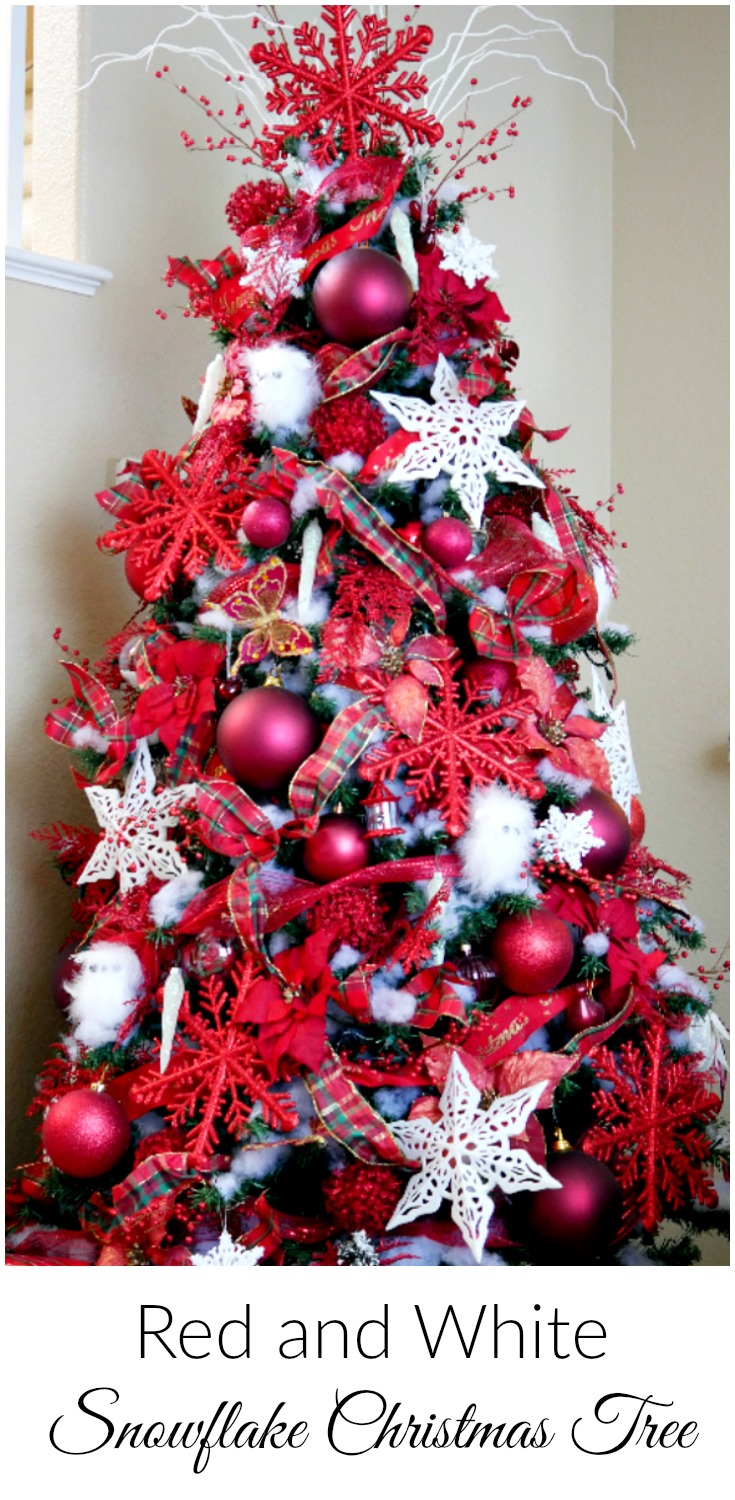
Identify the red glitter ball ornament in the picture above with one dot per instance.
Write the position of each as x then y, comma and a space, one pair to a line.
137, 570
264, 735
411, 532
85, 1133
447, 541
608, 822
577, 1221
361, 295
266, 522
338, 847
484, 677
363, 1197
533, 952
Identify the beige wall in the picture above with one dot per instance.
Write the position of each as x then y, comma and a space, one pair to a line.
618, 304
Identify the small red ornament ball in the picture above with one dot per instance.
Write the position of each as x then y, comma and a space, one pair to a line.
136, 570
266, 522
85, 1133
533, 952
486, 676
579, 1219
608, 822
447, 541
412, 532
338, 847
63, 970
361, 295
264, 735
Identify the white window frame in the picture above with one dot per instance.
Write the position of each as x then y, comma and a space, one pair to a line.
21, 264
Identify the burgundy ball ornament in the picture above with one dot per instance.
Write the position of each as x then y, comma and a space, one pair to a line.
64, 969
264, 735
578, 1220
360, 295
532, 952
226, 688
447, 542
338, 847
266, 522
609, 823
85, 1133
584, 1011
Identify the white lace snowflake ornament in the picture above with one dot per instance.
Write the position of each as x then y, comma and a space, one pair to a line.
134, 844
466, 255
459, 439
616, 746
466, 1154
227, 1253
566, 837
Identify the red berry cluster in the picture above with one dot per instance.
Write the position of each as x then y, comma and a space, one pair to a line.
255, 203
350, 423
363, 1197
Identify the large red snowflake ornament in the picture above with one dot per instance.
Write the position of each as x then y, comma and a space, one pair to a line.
651, 1126
215, 1076
354, 100
178, 513
464, 743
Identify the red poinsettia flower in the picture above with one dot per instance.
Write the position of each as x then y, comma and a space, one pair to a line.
398, 675
565, 736
180, 690
447, 311
290, 1012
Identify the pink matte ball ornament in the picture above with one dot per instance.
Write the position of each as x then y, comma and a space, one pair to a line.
533, 952
578, 1220
608, 822
360, 295
266, 522
86, 1133
338, 847
447, 541
264, 735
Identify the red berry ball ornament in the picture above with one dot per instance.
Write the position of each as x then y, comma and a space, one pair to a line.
609, 823
532, 952
266, 522
447, 542
578, 1220
361, 295
361, 1197
264, 735
86, 1133
338, 847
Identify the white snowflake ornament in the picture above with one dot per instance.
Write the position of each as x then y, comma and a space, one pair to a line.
466, 1154
227, 1253
466, 255
616, 746
134, 844
459, 439
566, 837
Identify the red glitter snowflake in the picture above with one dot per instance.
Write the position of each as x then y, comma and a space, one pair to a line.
178, 514
651, 1128
215, 1075
353, 101
465, 743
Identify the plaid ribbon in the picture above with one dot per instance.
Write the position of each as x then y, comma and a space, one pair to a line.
341, 502
186, 761
347, 1116
343, 743
354, 993
151, 1179
566, 526
248, 908
436, 997
547, 595
91, 701
363, 367
494, 636
231, 823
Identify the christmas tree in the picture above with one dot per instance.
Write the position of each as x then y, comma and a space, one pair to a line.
370, 963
